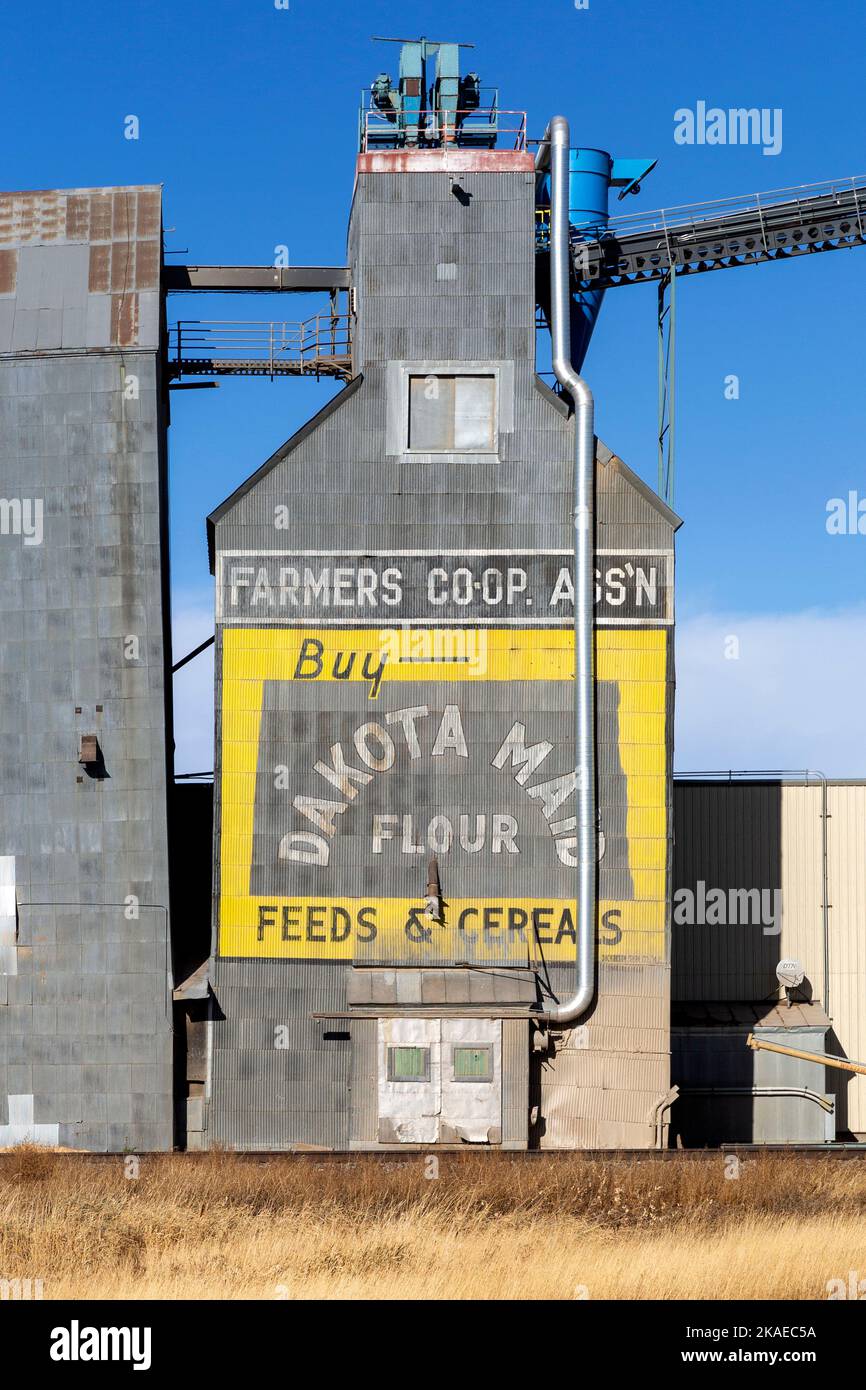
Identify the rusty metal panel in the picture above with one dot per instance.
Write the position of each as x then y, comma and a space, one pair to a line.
89, 749
119, 230
451, 161
124, 319
100, 268
8, 270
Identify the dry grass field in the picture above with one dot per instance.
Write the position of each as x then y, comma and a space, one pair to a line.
489, 1227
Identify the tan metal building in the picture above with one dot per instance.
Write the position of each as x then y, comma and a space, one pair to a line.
797, 845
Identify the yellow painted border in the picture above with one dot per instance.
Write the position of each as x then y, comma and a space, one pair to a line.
634, 658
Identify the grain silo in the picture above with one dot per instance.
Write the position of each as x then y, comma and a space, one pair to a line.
85, 672
410, 945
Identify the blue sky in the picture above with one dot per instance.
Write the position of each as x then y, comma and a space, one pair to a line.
248, 118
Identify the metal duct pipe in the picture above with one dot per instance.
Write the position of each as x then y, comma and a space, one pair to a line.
826, 1103
556, 146
658, 1114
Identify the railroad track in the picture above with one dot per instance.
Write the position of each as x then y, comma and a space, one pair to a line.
405, 1156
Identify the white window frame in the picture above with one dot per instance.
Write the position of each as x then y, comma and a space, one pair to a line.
397, 422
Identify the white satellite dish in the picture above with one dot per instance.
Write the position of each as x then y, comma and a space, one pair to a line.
790, 973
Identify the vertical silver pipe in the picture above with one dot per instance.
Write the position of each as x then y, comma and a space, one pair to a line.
557, 140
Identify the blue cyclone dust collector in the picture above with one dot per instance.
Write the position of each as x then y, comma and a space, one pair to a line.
592, 173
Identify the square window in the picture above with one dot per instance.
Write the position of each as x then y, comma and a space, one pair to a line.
408, 1064
473, 1064
452, 414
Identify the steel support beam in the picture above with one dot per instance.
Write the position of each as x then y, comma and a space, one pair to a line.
246, 279
667, 343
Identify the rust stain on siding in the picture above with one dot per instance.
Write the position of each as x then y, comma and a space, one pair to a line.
124, 319
8, 271
100, 269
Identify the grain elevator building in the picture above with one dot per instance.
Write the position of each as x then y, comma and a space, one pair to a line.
394, 788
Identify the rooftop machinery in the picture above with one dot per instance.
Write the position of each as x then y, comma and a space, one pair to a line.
431, 104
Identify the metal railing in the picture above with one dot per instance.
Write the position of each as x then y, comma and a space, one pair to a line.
478, 127
318, 346
692, 235
685, 215
728, 231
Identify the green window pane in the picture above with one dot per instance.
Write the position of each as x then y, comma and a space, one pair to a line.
408, 1063
472, 1064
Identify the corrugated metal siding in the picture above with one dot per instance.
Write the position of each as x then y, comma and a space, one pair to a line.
744, 836
728, 842
719, 1057
802, 888
364, 1118
85, 1038
278, 1078
846, 852
515, 1083
600, 1086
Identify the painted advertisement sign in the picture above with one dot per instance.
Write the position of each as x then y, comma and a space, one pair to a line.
527, 588
351, 754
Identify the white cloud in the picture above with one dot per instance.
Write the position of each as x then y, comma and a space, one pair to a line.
794, 697
192, 623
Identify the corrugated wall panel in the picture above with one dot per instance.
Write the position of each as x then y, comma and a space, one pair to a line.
600, 1085
847, 875
364, 1120
85, 962
802, 934
743, 838
515, 1083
